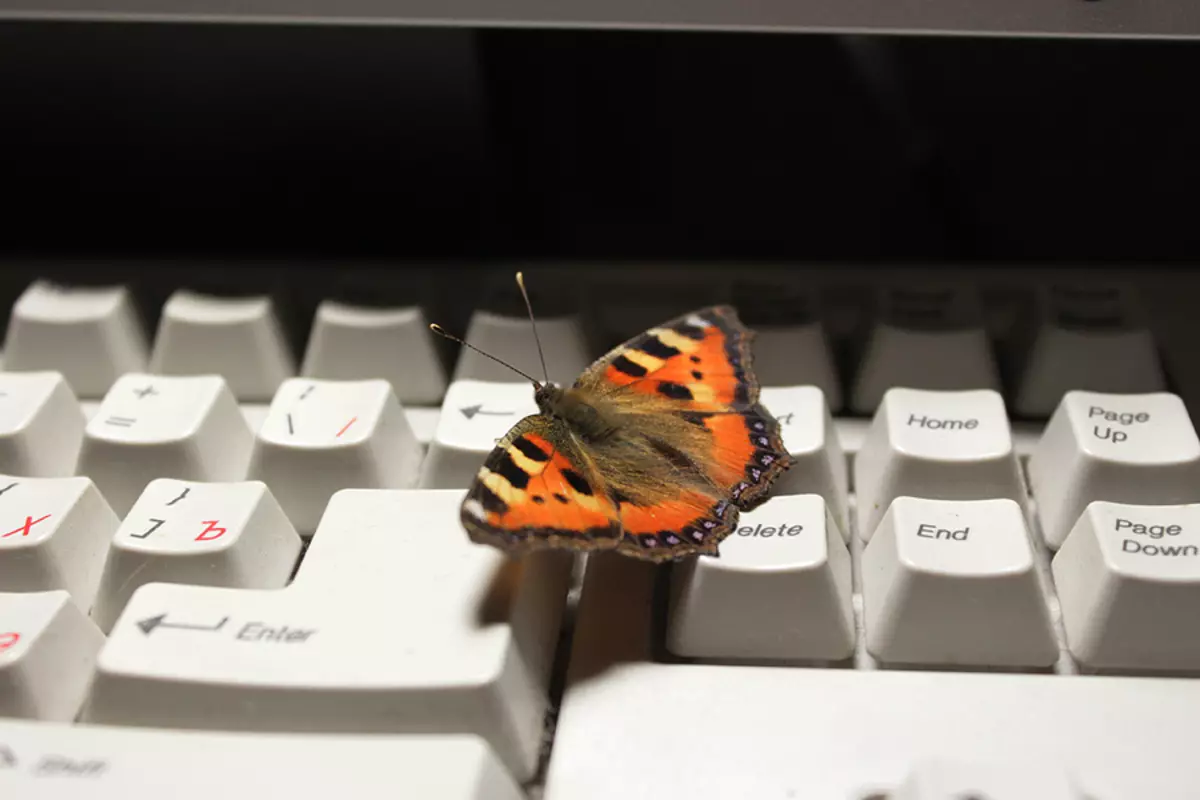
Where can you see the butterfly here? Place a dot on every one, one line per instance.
(653, 452)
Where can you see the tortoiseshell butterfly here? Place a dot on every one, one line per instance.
(653, 452)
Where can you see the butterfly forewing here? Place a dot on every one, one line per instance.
(536, 491)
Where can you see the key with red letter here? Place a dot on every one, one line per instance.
(322, 436)
(47, 649)
(215, 534)
(54, 533)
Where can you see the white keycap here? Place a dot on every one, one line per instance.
(1128, 582)
(237, 338)
(324, 436)
(954, 583)
(393, 344)
(474, 416)
(779, 590)
(47, 649)
(90, 335)
(1091, 338)
(819, 464)
(944, 445)
(60, 762)
(41, 424)
(795, 355)
(1014, 780)
(790, 345)
(54, 533)
(395, 622)
(152, 426)
(770, 732)
(511, 339)
(926, 339)
(1121, 448)
(210, 534)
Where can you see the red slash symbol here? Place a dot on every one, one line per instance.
(346, 427)
(7, 640)
(212, 528)
(24, 529)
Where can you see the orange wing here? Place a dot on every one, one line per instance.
(702, 363)
(700, 360)
(687, 525)
(533, 493)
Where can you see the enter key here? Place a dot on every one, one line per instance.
(395, 622)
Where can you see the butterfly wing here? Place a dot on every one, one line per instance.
(697, 368)
(536, 490)
(701, 361)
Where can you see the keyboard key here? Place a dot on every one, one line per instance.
(790, 346)
(152, 426)
(323, 436)
(475, 415)
(819, 465)
(54, 533)
(41, 424)
(1128, 582)
(393, 344)
(927, 338)
(1091, 338)
(943, 445)
(1138, 449)
(834, 733)
(211, 534)
(99, 763)
(1016, 780)
(511, 339)
(238, 338)
(954, 583)
(47, 649)
(780, 589)
(90, 335)
(395, 622)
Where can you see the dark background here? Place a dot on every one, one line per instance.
(210, 141)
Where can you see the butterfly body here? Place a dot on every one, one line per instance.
(653, 451)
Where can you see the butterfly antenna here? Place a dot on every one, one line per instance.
(440, 331)
(533, 322)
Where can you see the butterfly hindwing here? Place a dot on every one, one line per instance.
(682, 526)
(535, 491)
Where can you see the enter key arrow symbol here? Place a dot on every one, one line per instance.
(471, 411)
(150, 623)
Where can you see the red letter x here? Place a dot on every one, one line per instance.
(24, 529)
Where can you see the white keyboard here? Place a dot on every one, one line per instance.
(229, 568)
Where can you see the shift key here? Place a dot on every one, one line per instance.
(395, 623)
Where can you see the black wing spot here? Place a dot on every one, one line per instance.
(695, 359)
(491, 501)
(530, 450)
(561, 498)
(697, 374)
(675, 391)
(654, 346)
(508, 469)
(691, 332)
(623, 364)
(577, 482)
(537, 498)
